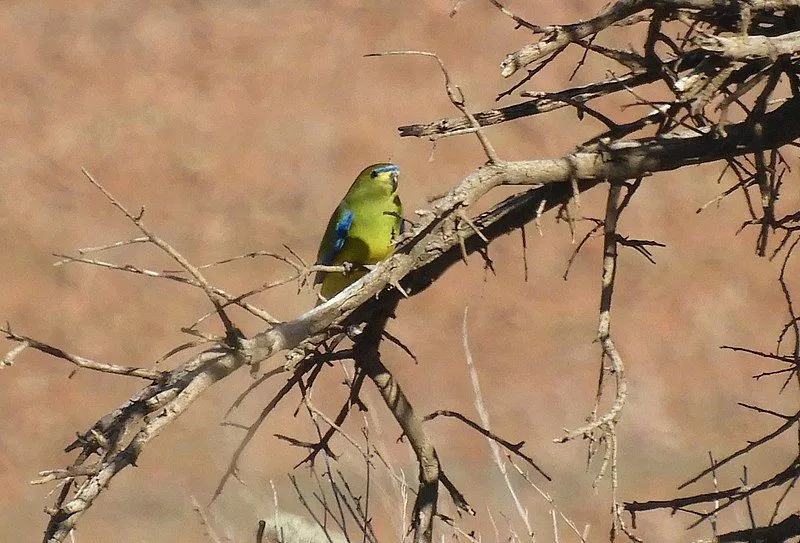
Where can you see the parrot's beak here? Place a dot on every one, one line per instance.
(394, 175)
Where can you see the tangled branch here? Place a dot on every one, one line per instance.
(704, 74)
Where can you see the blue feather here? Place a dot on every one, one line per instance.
(384, 169)
(340, 236)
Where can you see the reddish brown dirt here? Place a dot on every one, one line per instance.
(238, 126)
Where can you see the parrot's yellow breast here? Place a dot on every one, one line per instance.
(370, 240)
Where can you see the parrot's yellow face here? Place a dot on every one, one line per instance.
(376, 181)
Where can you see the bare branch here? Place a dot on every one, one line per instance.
(749, 47)
(484, 416)
(80, 361)
(167, 248)
(515, 448)
(173, 276)
(542, 102)
(521, 23)
(367, 357)
(561, 36)
(457, 98)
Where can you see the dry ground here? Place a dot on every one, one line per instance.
(238, 125)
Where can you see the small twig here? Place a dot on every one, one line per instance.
(179, 349)
(747, 448)
(405, 348)
(233, 465)
(524, 239)
(130, 268)
(587, 46)
(483, 414)
(204, 521)
(335, 425)
(456, 96)
(10, 356)
(80, 361)
(239, 300)
(252, 255)
(597, 226)
(231, 331)
(529, 76)
(521, 23)
(542, 102)
(70, 473)
(549, 499)
(764, 411)
(255, 384)
(794, 319)
(515, 448)
(85, 250)
(559, 37)
(609, 350)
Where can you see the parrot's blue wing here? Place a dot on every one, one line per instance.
(340, 232)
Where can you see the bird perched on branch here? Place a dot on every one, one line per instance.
(362, 229)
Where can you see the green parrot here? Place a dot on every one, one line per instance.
(363, 228)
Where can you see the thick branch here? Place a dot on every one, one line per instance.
(433, 247)
(368, 358)
(209, 371)
(755, 5)
(746, 47)
(539, 104)
(731, 494)
(562, 36)
(437, 251)
(782, 531)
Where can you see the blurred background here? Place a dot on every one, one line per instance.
(238, 126)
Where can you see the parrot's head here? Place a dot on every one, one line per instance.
(382, 175)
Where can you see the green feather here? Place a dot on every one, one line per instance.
(376, 211)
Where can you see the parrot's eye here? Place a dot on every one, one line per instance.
(373, 174)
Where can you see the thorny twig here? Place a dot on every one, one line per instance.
(703, 73)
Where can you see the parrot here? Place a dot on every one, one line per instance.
(362, 229)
